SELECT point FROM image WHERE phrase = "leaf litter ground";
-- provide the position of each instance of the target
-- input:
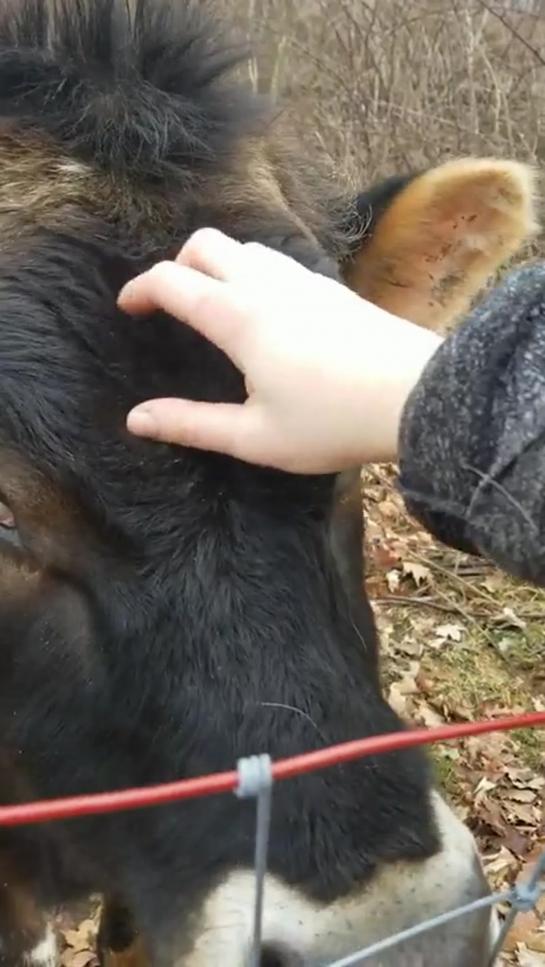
(461, 641)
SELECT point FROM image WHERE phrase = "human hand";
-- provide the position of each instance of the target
(327, 374)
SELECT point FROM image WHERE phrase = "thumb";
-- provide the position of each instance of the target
(230, 428)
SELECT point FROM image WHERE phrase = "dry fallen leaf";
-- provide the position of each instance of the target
(524, 778)
(536, 940)
(529, 958)
(400, 694)
(449, 632)
(397, 700)
(483, 787)
(509, 617)
(393, 580)
(524, 927)
(418, 572)
(493, 582)
(388, 509)
(384, 556)
(425, 714)
(501, 863)
(408, 646)
(79, 958)
(79, 938)
(515, 841)
(521, 795)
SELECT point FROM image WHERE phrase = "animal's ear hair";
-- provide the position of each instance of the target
(434, 239)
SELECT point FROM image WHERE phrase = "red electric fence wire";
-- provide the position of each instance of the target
(108, 802)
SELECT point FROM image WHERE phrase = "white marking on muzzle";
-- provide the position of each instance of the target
(400, 895)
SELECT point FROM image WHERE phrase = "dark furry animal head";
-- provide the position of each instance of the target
(156, 600)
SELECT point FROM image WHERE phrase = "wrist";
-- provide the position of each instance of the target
(410, 350)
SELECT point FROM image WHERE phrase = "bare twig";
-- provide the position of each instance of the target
(416, 601)
(513, 31)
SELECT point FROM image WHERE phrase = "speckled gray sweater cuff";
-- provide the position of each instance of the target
(472, 436)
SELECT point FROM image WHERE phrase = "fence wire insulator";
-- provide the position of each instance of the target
(255, 780)
(523, 898)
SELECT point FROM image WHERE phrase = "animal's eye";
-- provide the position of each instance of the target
(8, 525)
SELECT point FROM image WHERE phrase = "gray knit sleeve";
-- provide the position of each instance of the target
(472, 436)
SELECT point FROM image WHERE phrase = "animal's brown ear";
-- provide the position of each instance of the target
(429, 250)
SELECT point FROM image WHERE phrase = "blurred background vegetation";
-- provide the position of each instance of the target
(386, 86)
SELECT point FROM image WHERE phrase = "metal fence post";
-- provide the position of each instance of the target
(255, 779)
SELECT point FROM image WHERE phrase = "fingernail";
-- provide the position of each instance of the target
(125, 290)
(142, 422)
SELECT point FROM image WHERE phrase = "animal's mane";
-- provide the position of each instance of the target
(129, 84)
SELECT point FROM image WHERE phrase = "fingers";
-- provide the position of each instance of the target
(201, 302)
(222, 258)
(234, 429)
(193, 287)
(215, 254)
